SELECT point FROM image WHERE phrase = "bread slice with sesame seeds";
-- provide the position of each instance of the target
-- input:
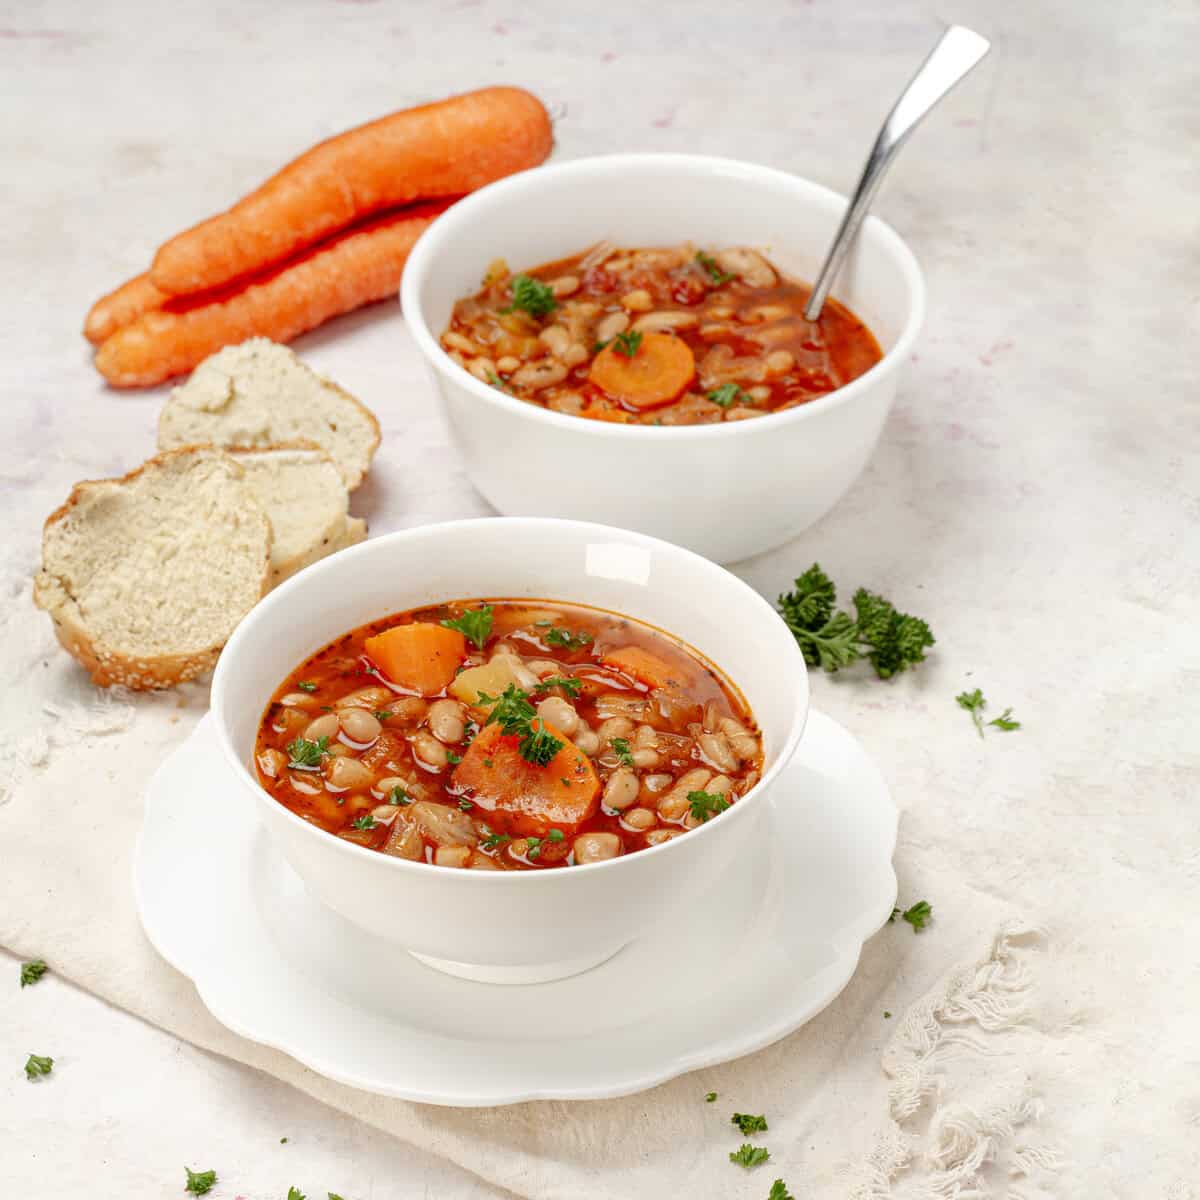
(145, 577)
(259, 394)
(301, 490)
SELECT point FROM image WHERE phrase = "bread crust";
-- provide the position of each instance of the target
(106, 666)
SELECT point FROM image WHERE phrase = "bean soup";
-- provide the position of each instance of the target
(507, 735)
(663, 336)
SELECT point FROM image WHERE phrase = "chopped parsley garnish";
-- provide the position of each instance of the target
(37, 1064)
(779, 1191)
(749, 1156)
(487, 762)
(382, 714)
(398, 796)
(568, 683)
(555, 835)
(890, 639)
(294, 1193)
(531, 296)
(703, 806)
(710, 1098)
(335, 1196)
(492, 840)
(31, 972)
(975, 703)
(729, 394)
(514, 714)
(749, 1124)
(918, 916)
(452, 758)
(497, 382)
(306, 685)
(306, 755)
(628, 343)
(887, 1016)
(199, 1182)
(533, 847)
(283, 1141)
(465, 804)
(598, 346)
(366, 821)
(715, 274)
(564, 639)
(621, 750)
(475, 624)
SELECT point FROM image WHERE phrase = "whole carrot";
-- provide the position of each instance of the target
(121, 307)
(358, 266)
(443, 149)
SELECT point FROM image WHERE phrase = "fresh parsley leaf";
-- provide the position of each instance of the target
(487, 762)
(715, 274)
(283, 1141)
(729, 394)
(918, 916)
(565, 639)
(538, 745)
(497, 382)
(382, 714)
(531, 296)
(306, 755)
(398, 796)
(568, 683)
(475, 624)
(306, 686)
(294, 1193)
(1005, 722)
(366, 821)
(831, 639)
(598, 346)
(335, 1196)
(533, 847)
(452, 758)
(704, 805)
(31, 972)
(627, 343)
(465, 804)
(492, 840)
(199, 1182)
(749, 1124)
(710, 1098)
(779, 1191)
(974, 703)
(555, 835)
(622, 751)
(887, 1016)
(749, 1156)
(37, 1064)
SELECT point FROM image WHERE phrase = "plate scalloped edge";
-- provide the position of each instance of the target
(847, 945)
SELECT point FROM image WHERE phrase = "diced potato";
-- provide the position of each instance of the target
(442, 824)
(493, 677)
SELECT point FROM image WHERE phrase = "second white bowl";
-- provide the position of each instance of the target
(729, 490)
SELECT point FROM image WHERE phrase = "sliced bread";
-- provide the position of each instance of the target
(302, 491)
(145, 577)
(260, 394)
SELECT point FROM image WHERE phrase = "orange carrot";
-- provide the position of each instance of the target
(122, 307)
(360, 265)
(437, 150)
(422, 656)
(658, 370)
(645, 667)
(562, 793)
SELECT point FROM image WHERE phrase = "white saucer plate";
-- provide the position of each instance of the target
(776, 941)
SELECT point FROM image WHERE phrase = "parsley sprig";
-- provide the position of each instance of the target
(199, 1183)
(918, 915)
(748, 1123)
(975, 703)
(306, 755)
(366, 821)
(779, 1191)
(568, 683)
(564, 639)
(715, 274)
(31, 972)
(749, 1156)
(514, 714)
(475, 624)
(622, 751)
(37, 1065)
(890, 639)
(627, 343)
(729, 394)
(704, 805)
(531, 296)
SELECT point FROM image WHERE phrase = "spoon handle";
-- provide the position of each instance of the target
(956, 53)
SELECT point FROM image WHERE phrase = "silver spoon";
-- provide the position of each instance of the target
(953, 57)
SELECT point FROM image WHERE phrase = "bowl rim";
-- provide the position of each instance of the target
(510, 189)
(283, 595)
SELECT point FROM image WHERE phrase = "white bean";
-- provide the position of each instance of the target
(272, 762)
(298, 700)
(638, 819)
(658, 322)
(741, 741)
(342, 774)
(674, 803)
(565, 285)
(780, 362)
(429, 751)
(556, 711)
(656, 837)
(324, 726)
(615, 727)
(748, 264)
(371, 698)
(537, 375)
(596, 847)
(715, 748)
(611, 325)
(444, 825)
(447, 721)
(587, 741)
(507, 363)
(639, 300)
(556, 338)
(359, 726)
(451, 856)
(621, 790)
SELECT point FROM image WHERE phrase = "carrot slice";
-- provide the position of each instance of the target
(563, 793)
(645, 667)
(660, 368)
(121, 307)
(435, 150)
(422, 656)
(359, 266)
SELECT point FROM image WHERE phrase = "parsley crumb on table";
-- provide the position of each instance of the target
(748, 1123)
(199, 1182)
(37, 1065)
(918, 916)
(749, 1156)
(32, 971)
